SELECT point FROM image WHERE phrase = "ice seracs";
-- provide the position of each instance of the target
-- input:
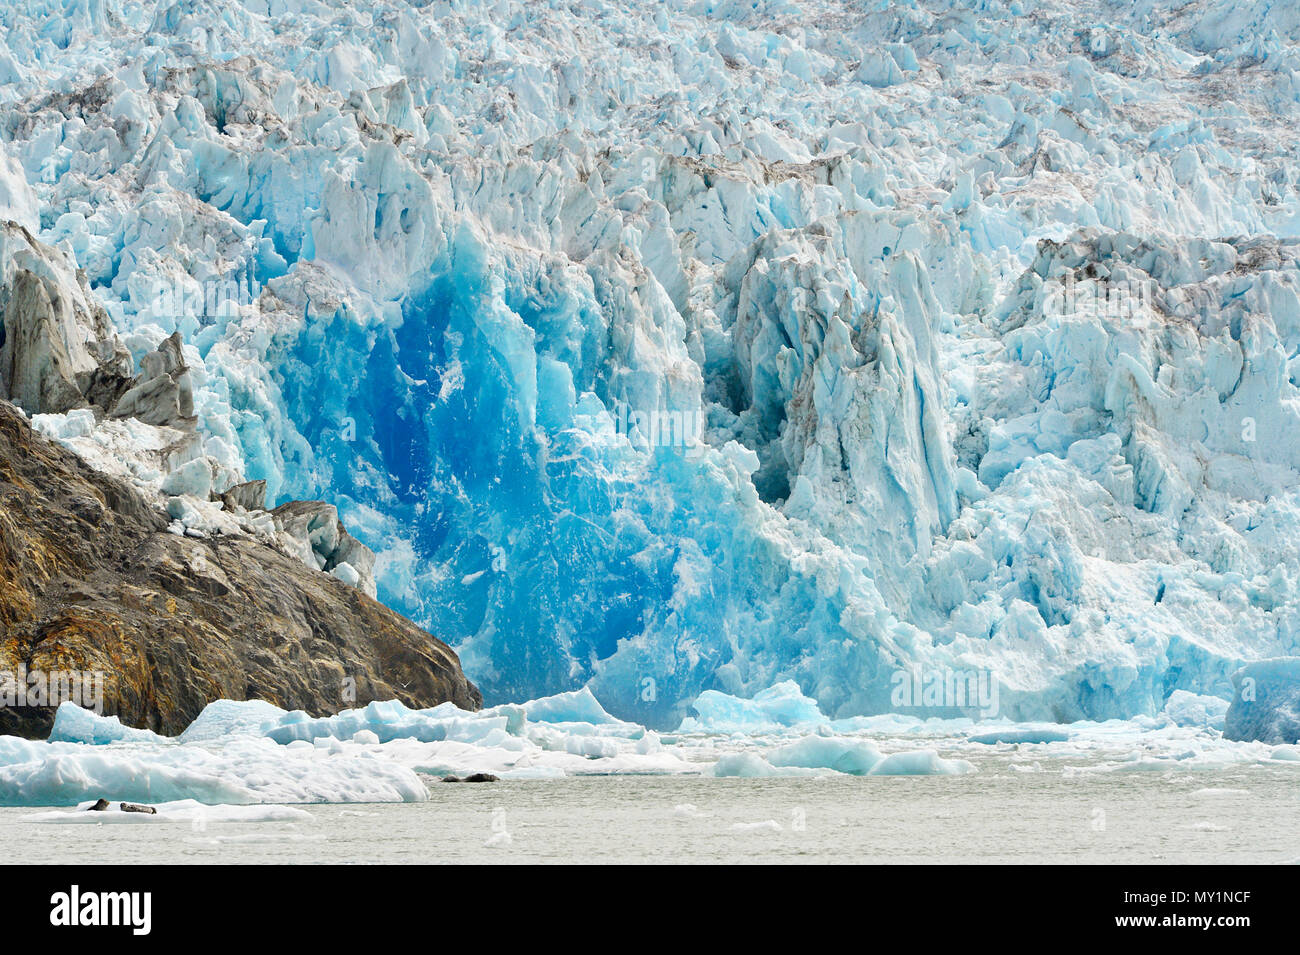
(987, 316)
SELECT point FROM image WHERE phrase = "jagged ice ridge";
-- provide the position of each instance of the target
(986, 315)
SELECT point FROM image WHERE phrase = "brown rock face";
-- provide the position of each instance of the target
(90, 580)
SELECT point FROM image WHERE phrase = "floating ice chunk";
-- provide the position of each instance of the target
(1266, 705)
(592, 747)
(242, 771)
(73, 724)
(182, 810)
(744, 765)
(767, 825)
(14, 749)
(1028, 734)
(843, 755)
(578, 706)
(515, 716)
(1191, 709)
(391, 719)
(779, 707)
(532, 773)
(925, 762)
(231, 718)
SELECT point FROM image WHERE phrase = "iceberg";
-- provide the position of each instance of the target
(1021, 734)
(779, 707)
(223, 718)
(748, 766)
(241, 772)
(921, 763)
(194, 814)
(579, 706)
(856, 757)
(381, 722)
(1189, 709)
(74, 724)
(1266, 705)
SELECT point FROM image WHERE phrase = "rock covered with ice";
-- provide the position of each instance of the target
(668, 347)
(101, 606)
(62, 362)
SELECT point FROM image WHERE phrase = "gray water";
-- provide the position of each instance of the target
(1243, 814)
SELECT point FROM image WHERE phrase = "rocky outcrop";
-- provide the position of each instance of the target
(161, 394)
(322, 542)
(249, 496)
(91, 581)
(58, 350)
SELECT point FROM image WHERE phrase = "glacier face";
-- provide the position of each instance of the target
(665, 347)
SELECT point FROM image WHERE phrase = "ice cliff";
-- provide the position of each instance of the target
(664, 347)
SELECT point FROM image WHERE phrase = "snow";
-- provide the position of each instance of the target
(982, 321)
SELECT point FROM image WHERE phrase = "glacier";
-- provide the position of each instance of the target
(661, 349)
